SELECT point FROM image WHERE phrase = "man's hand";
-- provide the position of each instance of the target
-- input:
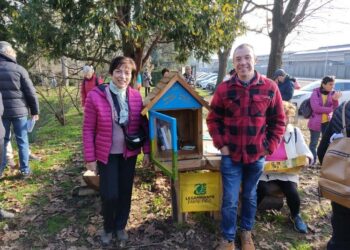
(91, 166)
(224, 150)
(35, 117)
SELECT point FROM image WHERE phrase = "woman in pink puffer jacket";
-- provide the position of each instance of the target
(108, 108)
(324, 101)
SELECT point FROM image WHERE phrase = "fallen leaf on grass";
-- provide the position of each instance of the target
(91, 230)
(264, 245)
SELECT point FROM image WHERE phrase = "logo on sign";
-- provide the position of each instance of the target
(200, 189)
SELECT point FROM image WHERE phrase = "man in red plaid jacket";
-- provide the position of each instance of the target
(246, 123)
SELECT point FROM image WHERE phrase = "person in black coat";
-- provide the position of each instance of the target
(340, 215)
(3, 213)
(19, 96)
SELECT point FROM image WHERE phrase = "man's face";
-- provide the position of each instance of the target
(188, 70)
(243, 62)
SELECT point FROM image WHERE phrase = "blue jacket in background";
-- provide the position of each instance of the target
(286, 88)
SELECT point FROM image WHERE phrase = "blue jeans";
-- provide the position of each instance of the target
(21, 135)
(233, 174)
(314, 137)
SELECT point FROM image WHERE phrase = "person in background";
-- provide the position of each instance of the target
(324, 100)
(53, 83)
(229, 75)
(90, 81)
(19, 97)
(292, 146)
(109, 108)
(340, 239)
(188, 76)
(165, 72)
(147, 80)
(139, 82)
(285, 84)
(246, 122)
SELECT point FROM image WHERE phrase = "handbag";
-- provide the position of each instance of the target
(134, 141)
(334, 181)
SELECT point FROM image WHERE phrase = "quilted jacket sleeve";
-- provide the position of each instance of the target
(89, 128)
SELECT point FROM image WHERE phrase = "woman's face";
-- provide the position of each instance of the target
(328, 86)
(121, 76)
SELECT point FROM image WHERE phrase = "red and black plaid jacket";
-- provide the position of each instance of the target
(249, 120)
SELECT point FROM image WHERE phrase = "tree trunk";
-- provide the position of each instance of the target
(136, 53)
(223, 58)
(277, 48)
(65, 80)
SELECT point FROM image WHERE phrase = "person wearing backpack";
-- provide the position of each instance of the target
(291, 146)
(324, 100)
(90, 81)
(340, 239)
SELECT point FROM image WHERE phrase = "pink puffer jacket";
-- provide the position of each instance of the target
(318, 109)
(97, 125)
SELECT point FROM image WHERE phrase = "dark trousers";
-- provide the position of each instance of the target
(340, 223)
(288, 188)
(116, 181)
(147, 90)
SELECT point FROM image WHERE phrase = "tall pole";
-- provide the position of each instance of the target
(326, 63)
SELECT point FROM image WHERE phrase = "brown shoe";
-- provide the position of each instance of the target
(226, 245)
(247, 241)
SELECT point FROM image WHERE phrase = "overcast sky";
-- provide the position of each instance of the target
(331, 27)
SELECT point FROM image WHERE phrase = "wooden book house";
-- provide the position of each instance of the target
(176, 131)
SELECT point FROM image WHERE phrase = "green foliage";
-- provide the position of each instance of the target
(93, 30)
(8, 11)
(301, 246)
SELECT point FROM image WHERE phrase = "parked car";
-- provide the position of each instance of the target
(211, 85)
(202, 78)
(203, 83)
(305, 92)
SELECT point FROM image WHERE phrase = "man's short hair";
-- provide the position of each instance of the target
(6, 48)
(244, 45)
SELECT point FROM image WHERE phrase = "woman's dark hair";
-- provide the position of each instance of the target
(120, 60)
(164, 70)
(327, 79)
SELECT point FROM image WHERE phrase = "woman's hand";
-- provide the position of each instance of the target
(91, 166)
(336, 95)
(145, 161)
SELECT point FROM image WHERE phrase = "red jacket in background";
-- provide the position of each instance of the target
(249, 120)
(87, 85)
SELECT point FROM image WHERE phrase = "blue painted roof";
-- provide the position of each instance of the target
(177, 97)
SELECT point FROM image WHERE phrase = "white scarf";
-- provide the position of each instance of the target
(123, 103)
